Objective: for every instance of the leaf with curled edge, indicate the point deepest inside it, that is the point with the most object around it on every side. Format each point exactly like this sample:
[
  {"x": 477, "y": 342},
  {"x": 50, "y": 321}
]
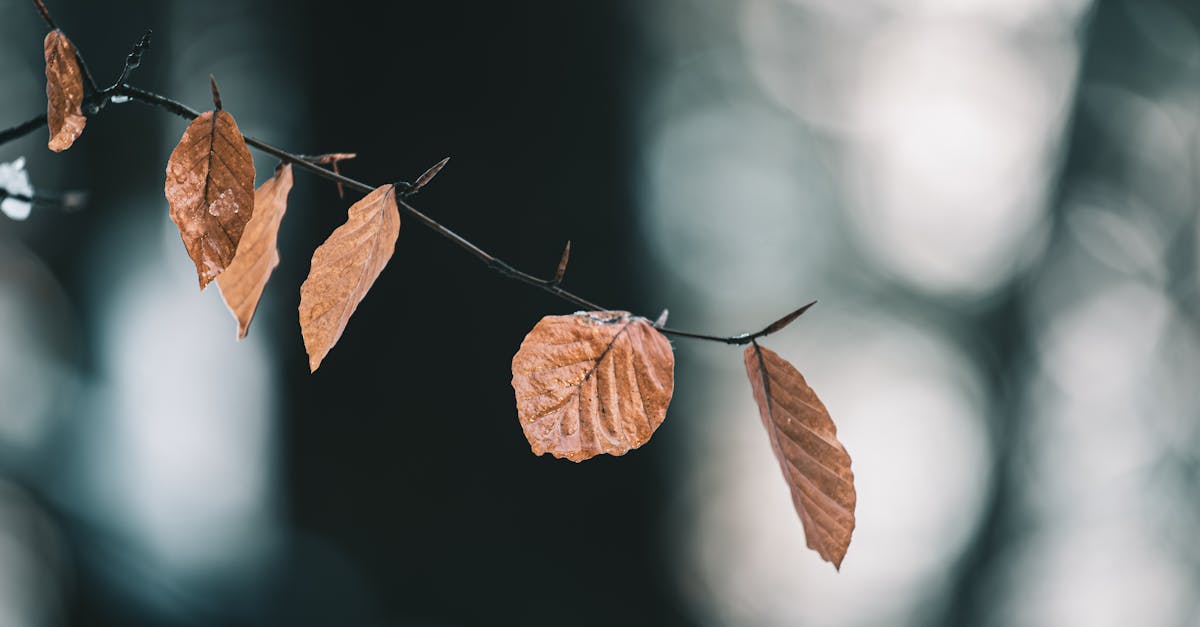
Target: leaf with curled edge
[
  {"x": 210, "y": 187},
  {"x": 804, "y": 438},
  {"x": 344, "y": 268},
  {"x": 257, "y": 256},
  {"x": 64, "y": 92},
  {"x": 592, "y": 383}
]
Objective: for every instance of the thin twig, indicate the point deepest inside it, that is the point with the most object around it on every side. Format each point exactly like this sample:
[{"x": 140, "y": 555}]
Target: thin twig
[
  {"x": 22, "y": 129},
  {"x": 133, "y": 60},
  {"x": 67, "y": 201}
]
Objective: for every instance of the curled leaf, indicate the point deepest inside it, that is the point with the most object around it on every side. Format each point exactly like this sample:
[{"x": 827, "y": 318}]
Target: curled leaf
[
  {"x": 64, "y": 92},
  {"x": 344, "y": 268},
  {"x": 592, "y": 383},
  {"x": 210, "y": 187},
  {"x": 804, "y": 438},
  {"x": 243, "y": 281}
]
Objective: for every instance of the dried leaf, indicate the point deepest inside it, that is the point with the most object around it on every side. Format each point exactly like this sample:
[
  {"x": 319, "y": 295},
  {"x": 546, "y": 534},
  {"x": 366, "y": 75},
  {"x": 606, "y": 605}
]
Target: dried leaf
[
  {"x": 344, "y": 268},
  {"x": 591, "y": 383},
  {"x": 243, "y": 281},
  {"x": 804, "y": 438},
  {"x": 210, "y": 187},
  {"x": 64, "y": 92}
]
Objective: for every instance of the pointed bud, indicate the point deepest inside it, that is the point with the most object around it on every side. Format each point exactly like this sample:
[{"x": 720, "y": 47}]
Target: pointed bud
[
  {"x": 662, "y": 319},
  {"x": 562, "y": 264},
  {"x": 779, "y": 324},
  {"x": 216, "y": 93}
]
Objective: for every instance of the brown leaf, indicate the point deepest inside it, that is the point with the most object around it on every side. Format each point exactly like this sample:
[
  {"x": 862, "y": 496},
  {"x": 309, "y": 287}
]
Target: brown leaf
[
  {"x": 210, "y": 187},
  {"x": 804, "y": 438},
  {"x": 344, "y": 268},
  {"x": 591, "y": 383},
  {"x": 243, "y": 281},
  {"x": 64, "y": 92}
]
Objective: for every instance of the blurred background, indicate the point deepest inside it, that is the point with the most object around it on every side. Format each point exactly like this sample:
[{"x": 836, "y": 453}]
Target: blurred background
[{"x": 994, "y": 202}]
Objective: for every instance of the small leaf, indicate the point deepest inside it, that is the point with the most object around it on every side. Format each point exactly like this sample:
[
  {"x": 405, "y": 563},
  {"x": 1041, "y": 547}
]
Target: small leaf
[
  {"x": 16, "y": 193},
  {"x": 210, "y": 187},
  {"x": 592, "y": 383},
  {"x": 243, "y": 281},
  {"x": 344, "y": 268},
  {"x": 64, "y": 92},
  {"x": 662, "y": 319},
  {"x": 804, "y": 438}
]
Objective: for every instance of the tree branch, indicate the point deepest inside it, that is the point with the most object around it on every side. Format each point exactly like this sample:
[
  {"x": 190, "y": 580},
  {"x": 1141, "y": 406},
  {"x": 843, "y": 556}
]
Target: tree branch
[{"x": 123, "y": 91}]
